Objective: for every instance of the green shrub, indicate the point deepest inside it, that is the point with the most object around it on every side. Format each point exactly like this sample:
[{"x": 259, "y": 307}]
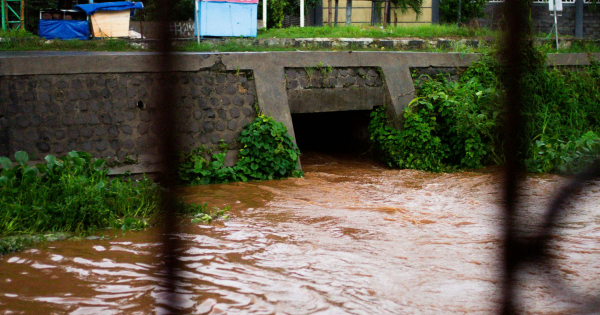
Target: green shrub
[
  {"x": 456, "y": 125},
  {"x": 72, "y": 193},
  {"x": 450, "y": 125},
  {"x": 562, "y": 111},
  {"x": 195, "y": 169},
  {"x": 268, "y": 152},
  {"x": 468, "y": 9}
]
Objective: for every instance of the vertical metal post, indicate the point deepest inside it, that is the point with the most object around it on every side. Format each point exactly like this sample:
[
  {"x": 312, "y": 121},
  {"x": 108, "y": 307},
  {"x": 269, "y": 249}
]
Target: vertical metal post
[
  {"x": 336, "y": 13},
  {"x": 167, "y": 143},
  {"x": 515, "y": 42},
  {"x": 302, "y": 13},
  {"x": 579, "y": 18},
  {"x": 435, "y": 11},
  {"x": 555, "y": 23},
  {"x": 3, "y": 15},
  {"x": 196, "y": 18},
  {"x": 265, "y": 14}
]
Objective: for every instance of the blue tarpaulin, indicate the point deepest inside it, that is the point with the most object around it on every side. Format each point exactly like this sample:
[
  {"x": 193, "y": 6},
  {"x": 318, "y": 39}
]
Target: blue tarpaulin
[
  {"x": 64, "y": 29},
  {"x": 108, "y": 6}
]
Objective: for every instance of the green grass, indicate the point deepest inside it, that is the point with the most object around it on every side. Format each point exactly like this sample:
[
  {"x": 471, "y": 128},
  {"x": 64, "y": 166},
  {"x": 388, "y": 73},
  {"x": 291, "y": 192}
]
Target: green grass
[
  {"x": 235, "y": 45},
  {"x": 421, "y": 31},
  {"x": 16, "y": 34},
  {"x": 576, "y": 47},
  {"x": 25, "y": 41},
  {"x": 73, "y": 194},
  {"x": 39, "y": 44}
]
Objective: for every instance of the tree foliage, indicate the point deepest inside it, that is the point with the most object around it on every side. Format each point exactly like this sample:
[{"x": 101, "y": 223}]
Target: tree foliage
[
  {"x": 469, "y": 9},
  {"x": 406, "y": 5}
]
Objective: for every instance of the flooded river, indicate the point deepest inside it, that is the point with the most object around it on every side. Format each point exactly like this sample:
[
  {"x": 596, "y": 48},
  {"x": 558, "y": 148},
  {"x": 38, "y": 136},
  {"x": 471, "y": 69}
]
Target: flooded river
[{"x": 352, "y": 237}]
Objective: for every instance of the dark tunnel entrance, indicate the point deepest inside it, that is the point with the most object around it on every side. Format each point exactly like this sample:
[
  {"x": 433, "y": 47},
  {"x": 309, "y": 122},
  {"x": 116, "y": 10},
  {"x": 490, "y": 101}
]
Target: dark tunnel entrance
[{"x": 337, "y": 133}]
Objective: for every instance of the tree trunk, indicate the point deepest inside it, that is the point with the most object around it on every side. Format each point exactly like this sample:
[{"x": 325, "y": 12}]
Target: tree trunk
[
  {"x": 385, "y": 13},
  {"x": 329, "y": 14},
  {"x": 349, "y": 12}
]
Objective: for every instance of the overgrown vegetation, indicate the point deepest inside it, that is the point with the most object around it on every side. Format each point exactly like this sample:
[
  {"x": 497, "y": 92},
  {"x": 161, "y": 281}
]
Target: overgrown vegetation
[
  {"x": 24, "y": 41},
  {"x": 455, "y": 125},
  {"x": 469, "y": 10},
  {"x": 71, "y": 194},
  {"x": 268, "y": 152},
  {"x": 421, "y": 31},
  {"x": 74, "y": 194},
  {"x": 200, "y": 212}
]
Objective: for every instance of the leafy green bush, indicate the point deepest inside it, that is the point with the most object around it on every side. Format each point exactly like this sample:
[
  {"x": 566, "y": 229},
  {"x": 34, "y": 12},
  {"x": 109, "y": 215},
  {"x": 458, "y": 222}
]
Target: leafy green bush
[
  {"x": 268, "y": 152},
  {"x": 450, "y": 125},
  {"x": 468, "y": 10},
  {"x": 195, "y": 169},
  {"x": 562, "y": 112},
  {"x": 456, "y": 125},
  {"x": 72, "y": 193}
]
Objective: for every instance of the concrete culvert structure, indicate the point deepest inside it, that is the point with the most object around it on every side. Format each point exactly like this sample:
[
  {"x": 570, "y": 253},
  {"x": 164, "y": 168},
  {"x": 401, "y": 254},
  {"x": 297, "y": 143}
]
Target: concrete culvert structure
[{"x": 344, "y": 132}]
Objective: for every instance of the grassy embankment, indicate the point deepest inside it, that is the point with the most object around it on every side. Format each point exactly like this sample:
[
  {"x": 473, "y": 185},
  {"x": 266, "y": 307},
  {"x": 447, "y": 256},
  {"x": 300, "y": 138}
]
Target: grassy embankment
[
  {"x": 422, "y": 31},
  {"x": 73, "y": 196},
  {"x": 25, "y": 41}
]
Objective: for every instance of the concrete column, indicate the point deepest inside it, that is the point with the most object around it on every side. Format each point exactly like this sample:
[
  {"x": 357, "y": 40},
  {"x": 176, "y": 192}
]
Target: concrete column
[
  {"x": 435, "y": 11},
  {"x": 579, "y": 18}
]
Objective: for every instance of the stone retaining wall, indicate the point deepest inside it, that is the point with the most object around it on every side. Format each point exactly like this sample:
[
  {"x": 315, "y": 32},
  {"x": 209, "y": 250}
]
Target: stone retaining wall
[
  {"x": 104, "y": 103},
  {"x": 111, "y": 115}
]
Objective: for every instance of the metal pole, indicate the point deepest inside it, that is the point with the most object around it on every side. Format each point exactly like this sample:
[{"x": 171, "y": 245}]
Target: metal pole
[
  {"x": 459, "y": 7},
  {"x": 435, "y": 12},
  {"x": 196, "y": 19},
  {"x": 265, "y": 14},
  {"x": 579, "y": 18},
  {"x": 301, "y": 13},
  {"x": 555, "y": 24},
  {"x": 335, "y": 19},
  {"x": 3, "y": 16}
]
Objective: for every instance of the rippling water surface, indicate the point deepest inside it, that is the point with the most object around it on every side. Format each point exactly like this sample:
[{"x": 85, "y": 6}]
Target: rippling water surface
[{"x": 351, "y": 237}]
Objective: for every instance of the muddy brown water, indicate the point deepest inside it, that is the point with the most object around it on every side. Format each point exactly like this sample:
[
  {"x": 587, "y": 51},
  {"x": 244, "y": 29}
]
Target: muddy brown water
[{"x": 352, "y": 237}]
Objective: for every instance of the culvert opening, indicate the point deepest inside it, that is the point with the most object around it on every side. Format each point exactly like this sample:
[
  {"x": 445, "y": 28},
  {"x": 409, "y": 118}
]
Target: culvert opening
[{"x": 341, "y": 133}]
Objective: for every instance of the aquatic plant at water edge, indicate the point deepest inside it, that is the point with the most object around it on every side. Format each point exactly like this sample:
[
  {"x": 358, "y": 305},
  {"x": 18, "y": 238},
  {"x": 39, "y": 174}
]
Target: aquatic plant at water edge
[
  {"x": 268, "y": 152},
  {"x": 72, "y": 193}
]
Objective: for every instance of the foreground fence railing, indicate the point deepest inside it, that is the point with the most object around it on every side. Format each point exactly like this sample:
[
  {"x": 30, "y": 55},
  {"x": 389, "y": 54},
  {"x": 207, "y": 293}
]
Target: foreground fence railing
[{"x": 518, "y": 251}]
